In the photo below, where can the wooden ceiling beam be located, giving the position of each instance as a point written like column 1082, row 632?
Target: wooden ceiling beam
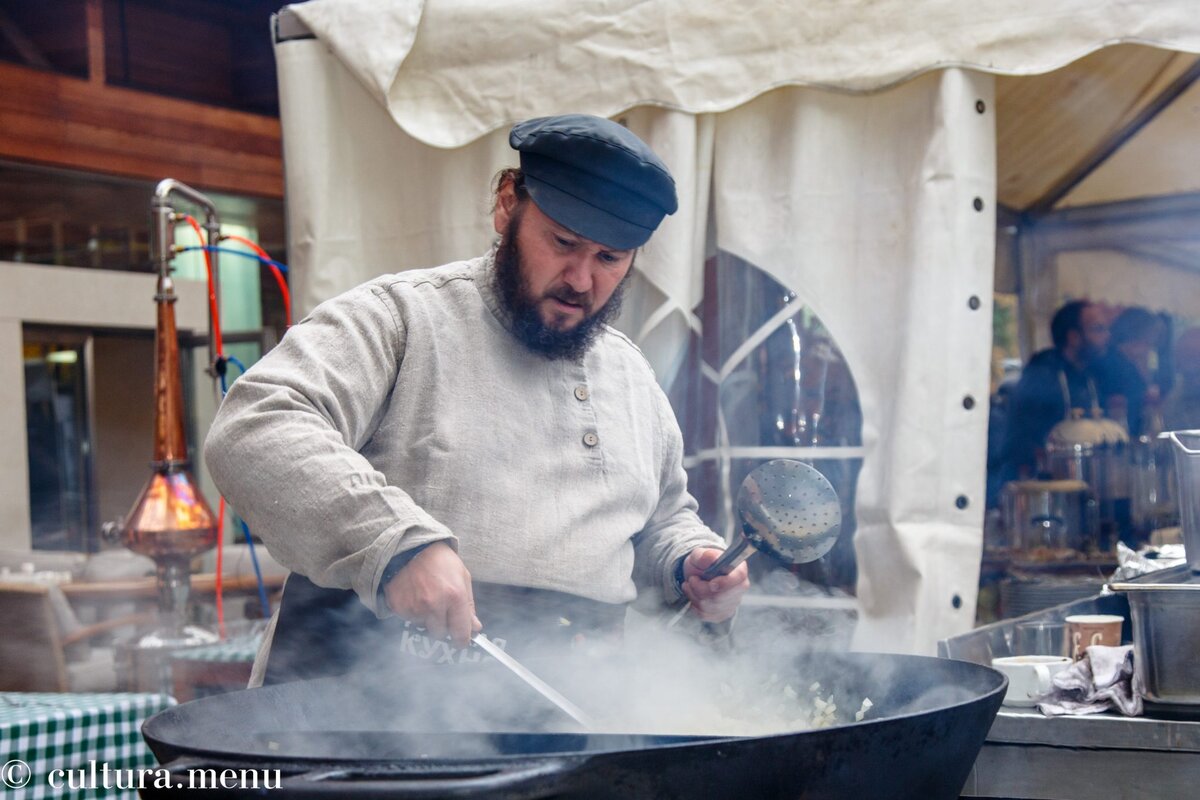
column 61, row 121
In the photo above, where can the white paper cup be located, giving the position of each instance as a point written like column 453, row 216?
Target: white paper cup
column 1029, row 676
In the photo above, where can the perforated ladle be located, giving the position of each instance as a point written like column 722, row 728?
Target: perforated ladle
column 788, row 510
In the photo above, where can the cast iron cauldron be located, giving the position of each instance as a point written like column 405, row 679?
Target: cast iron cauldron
column 431, row 733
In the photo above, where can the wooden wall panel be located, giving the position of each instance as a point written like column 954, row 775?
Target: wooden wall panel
column 68, row 122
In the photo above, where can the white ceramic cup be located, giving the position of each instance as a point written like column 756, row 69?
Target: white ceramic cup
column 1029, row 676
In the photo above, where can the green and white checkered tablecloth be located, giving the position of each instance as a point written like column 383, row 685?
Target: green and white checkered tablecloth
column 71, row 732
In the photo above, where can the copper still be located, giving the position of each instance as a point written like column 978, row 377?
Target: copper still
column 170, row 521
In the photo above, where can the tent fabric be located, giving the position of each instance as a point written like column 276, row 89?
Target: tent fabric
column 451, row 71
column 880, row 236
column 365, row 198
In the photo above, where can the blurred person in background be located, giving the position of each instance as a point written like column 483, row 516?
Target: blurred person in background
column 998, row 422
column 1054, row 382
column 1181, row 411
column 1136, row 372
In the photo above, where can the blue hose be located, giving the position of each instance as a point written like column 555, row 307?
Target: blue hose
column 262, row 588
column 230, row 251
column 221, row 373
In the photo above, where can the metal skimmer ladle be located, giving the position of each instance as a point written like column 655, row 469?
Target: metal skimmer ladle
column 789, row 510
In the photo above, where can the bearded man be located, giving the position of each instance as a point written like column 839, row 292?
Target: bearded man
column 1056, row 382
column 473, row 444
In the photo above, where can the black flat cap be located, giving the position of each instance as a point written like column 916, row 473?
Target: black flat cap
column 593, row 176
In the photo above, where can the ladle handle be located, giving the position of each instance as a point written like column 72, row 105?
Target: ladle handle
column 728, row 560
column 722, row 566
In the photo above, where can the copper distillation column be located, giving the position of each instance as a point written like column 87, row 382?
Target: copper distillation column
column 170, row 522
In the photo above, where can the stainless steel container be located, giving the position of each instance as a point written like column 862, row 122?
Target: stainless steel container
column 1187, row 472
column 1165, row 607
column 1153, row 492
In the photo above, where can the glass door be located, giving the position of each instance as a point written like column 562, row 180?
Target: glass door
column 58, row 438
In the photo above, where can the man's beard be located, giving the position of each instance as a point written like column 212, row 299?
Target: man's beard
column 526, row 321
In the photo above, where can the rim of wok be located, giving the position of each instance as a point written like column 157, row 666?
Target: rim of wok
column 176, row 728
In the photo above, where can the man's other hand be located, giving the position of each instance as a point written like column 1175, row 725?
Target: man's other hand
column 434, row 591
column 718, row 599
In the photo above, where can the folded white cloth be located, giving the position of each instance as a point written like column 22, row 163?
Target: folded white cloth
column 1102, row 680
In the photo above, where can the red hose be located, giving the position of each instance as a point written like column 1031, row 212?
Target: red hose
column 219, row 346
column 220, row 349
column 279, row 279
column 213, row 307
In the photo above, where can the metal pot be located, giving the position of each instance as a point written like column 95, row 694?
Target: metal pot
column 1096, row 451
column 395, row 737
column 1049, row 516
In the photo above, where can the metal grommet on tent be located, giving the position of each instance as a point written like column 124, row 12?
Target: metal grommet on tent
column 978, row 203
column 956, row 601
column 968, row 402
column 980, row 106
column 962, row 501
column 973, row 302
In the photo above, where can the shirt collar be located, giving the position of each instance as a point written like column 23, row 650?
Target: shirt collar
column 483, row 274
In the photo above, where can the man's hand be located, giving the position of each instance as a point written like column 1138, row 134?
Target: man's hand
column 434, row 591
column 718, row 599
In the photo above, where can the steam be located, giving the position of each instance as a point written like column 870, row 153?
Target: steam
column 652, row 681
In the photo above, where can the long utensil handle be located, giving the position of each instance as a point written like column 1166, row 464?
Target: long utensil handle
column 544, row 689
column 722, row 566
column 729, row 559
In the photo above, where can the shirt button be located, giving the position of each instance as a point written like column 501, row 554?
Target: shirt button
column 581, row 393
column 591, row 439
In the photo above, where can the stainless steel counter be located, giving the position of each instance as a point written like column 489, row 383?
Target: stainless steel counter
column 1028, row 755
column 1108, row 756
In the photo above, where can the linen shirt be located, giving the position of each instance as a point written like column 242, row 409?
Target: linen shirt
column 405, row 412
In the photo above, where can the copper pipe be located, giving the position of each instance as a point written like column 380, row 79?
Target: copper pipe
column 170, row 520
column 163, row 219
column 169, row 442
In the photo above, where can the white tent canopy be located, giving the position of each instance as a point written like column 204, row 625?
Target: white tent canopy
column 451, row 72
column 876, row 210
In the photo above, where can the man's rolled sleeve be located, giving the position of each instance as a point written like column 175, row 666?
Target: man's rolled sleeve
column 675, row 529
column 283, row 448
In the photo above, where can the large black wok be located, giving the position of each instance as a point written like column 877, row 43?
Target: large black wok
column 435, row 732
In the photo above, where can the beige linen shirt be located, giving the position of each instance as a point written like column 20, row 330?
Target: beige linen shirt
column 404, row 412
